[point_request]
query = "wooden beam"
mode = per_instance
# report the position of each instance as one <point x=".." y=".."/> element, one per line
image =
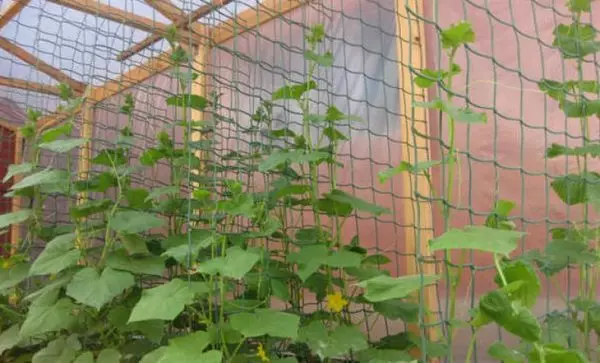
<point x="252" y="18"/>
<point x="44" y="67"/>
<point x="29" y="86"/>
<point x="186" y="22"/>
<point x="418" y="216"/>
<point x="85" y="152"/>
<point x="16" y="202"/>
<point x="199" y="88"/>
<point x="93" y="7"/>
<point x="166" y="8"/>
<point x="11" y="11"/>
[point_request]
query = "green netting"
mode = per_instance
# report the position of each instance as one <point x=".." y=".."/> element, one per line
<point x="359" y="89"/>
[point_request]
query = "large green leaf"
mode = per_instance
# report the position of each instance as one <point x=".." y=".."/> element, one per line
<point x="154" y="356"/>
<point x="135" y="244"/>
<point x="398" y="309"/>
<point x="417" y="168"/>
<point x="575" y="189"/>
<point x="373" y="355"/>
<point x="148" y="265"/>
<point x="356" y="203"/>
<point x="186" y="349"/>
<point x="266" y="322"/>
<point x="554" y="353"/>
<point x="109" y="356"/>
<point x="381" y="288"/>
<point x="85" y="357"/>
<point x="517" y="320"/>
<point x="579" y="6"/>
<point x="90" y="207"/>
<point x="478" y="238"/>
<point x="47" y="314"/>
<point x="62" y="146"/>
<point x="90" y="288"/>
<point x="591" y="149"/>
<point x="110" y="158"/>
<point x="9" y="338"/>
<point x="44" y="177"/>
<point x="15" y="217"/>
<point x="328" y="344"/>
<point x="17" y="169"/>
<point x="177" y="292"/>
<point x="293" y="92"/>
<point x="457" y="35"/>
<point x="56" y="132"/>
<point x="59" y="254"/>
<point x="183" y="248"/>
<point x="576" y="40"/>
<point x="194" y="102"/>
<point x="309" y="259"/>
<point x="131" y="222"/>
<point x="277" y="158"/>
<point x="14" y="275"/>
<point x="153" y="330"/>
<point x="61" y="350"/>
<point x="529" y="289"/>
<point x="236" y="263"/>
<point x="343" y="258"/>
<point x="501" y="352"/>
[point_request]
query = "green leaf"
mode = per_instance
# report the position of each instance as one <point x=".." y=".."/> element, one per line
<point x="154" y="356"/>
<point x="148" y="265"/>
<point x="381" y="288"/>
<point x="85" y="357"/>
<point x="554" y="353"/>
<point x="560" y="329"/>
<point x="97" y="183"/>
<point x="373" y="355"/>
<point x="398" y="309"/>
<point x="516" y="320"/>
<point x="294" y="156"/>
<point x="62" y="146"/>
<point x="194" y="102"/>
<point x="153" y="330"/>
<point x="156" y="193"/>
<point x="576" y="40"/>
<point x="332" y="207"/>
<point x="61" y="350"/>
<point x="356" y="203"/>
<point x="13" y="276"/>
<point x="44" y="177"/>
<point x="324" y="60"/>
<point x="17" y="169"/>
<point x="236" y="263"/>
<point x="181" y="246"/>
<point x="333" y="134"/>
<point x="109" y="356"/>
<point x="134" y="244"/>
<point x="266" y="322"/>
<point x="417" y="168"/>
<point x="310" y="236"/>
<point x="501" y="352"/>
<point x="376" y="260"/>
<point x="90" y="288"/>
<point x="575" y="189"/>
<point x="56" y="132"/>
<point x="137" y="198"/>
<point x="579" y="6"/>
<point x="48" y="315"/>
<point x="528" y="291"/>
<point x="457" y="35"/>
<point x="152" y="305"/>
<point x="343" y="258"/>
<point x="90" y="207"/>
<point x="591" y="149"/>
<point x="580" y="108"/>
<point x="428" y="78"/>
<point x="9" y="338"/>
<point x="478" y="238"/>
<point x="329" y="344"/>
<point x="293" y="92"/>
<point x="110" y="158"/>
<point x="459" y="114"/>
<point x="186" y="349"/>
<point x="59" y="254"/>
<point x="309" y="259"/>
<point x="132" y="222"/>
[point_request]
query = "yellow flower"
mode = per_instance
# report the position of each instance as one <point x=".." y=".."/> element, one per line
<point x="336" y="302"/>
<point x="262" y="354"/>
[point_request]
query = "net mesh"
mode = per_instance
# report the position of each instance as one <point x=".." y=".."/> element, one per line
<point x="503" y="159"/>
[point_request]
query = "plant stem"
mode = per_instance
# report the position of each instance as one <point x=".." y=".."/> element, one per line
<point x="471" y="347"/>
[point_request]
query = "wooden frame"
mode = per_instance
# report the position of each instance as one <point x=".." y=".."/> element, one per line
<point x="15" y="232"/>
<point x="418" y="215"/>
<point x="182" y="22"/>
<point x="34" y="61"/>
<point x="11" y="11"/>
<point x="29" y="86"/>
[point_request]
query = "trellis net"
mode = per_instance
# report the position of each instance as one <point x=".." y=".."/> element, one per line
<point x="501" y="160"/>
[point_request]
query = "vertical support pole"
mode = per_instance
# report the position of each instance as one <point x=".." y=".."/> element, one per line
<point x="199" y="88"/>
<point x="15" y="230"/>
<point x="418" y="216"/>
<point x="85" y="152"/>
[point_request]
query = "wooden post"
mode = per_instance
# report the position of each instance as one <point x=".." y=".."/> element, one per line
<point x="199" y="88"/>
<point x="418" y="218"/>
<point x="85" y="152"/>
